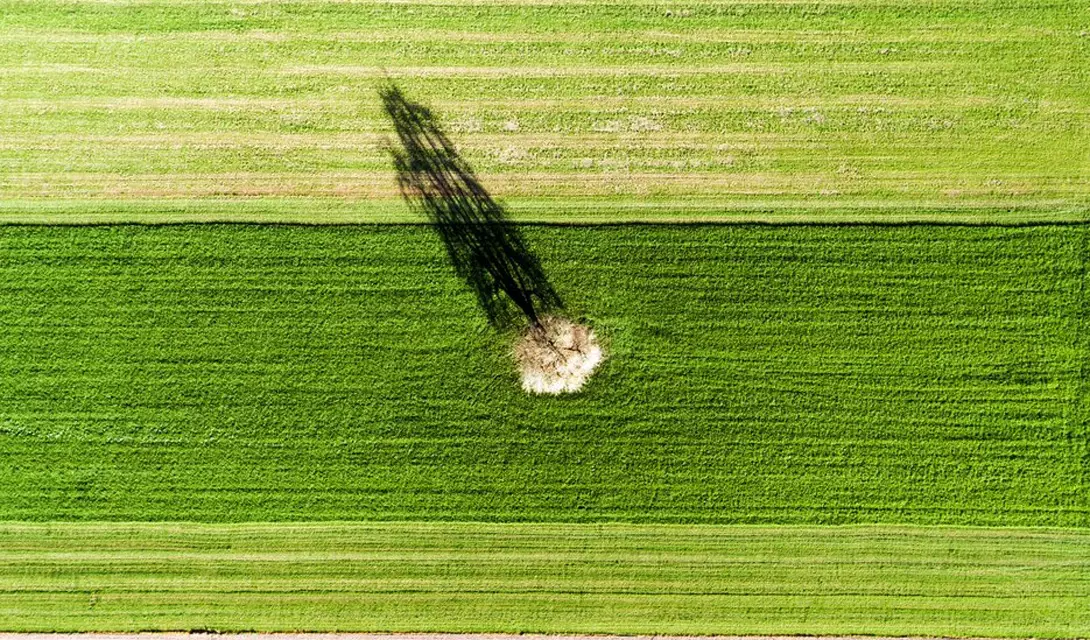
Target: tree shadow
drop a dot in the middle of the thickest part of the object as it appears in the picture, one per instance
(486, 250)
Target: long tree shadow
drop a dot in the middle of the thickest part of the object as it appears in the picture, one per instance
(486, 250)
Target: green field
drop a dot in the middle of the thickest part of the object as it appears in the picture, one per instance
(810, 374)
(175, 110)
(846, 384)
(463, 577)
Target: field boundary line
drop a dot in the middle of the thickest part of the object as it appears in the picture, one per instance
(573, 224)
(279, 635)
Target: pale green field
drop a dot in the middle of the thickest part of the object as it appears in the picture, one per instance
(545, 578)
(968, 110)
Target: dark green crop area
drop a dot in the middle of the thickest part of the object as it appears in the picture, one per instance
(805, 374)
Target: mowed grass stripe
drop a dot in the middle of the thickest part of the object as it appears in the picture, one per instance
(735, 191)
(465, 577)
(567, 211)
(914, 374)
(821, 102)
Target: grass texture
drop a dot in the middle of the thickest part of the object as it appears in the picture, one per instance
(756, 374)
(972, 110)
(464, 577)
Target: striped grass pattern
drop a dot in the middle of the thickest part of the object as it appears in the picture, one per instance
(809, 374)
(464, 577)
(863, 109)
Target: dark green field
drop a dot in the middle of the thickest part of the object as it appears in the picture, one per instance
(807, 374)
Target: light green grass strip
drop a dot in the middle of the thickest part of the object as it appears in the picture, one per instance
(969, 110)
(549, 210)
(545, 578)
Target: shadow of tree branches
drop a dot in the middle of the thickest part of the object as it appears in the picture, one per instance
(486, 250)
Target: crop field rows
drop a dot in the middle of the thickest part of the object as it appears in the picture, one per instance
(463, 577)
(834, 250)
(758, 374)
(858, 110)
